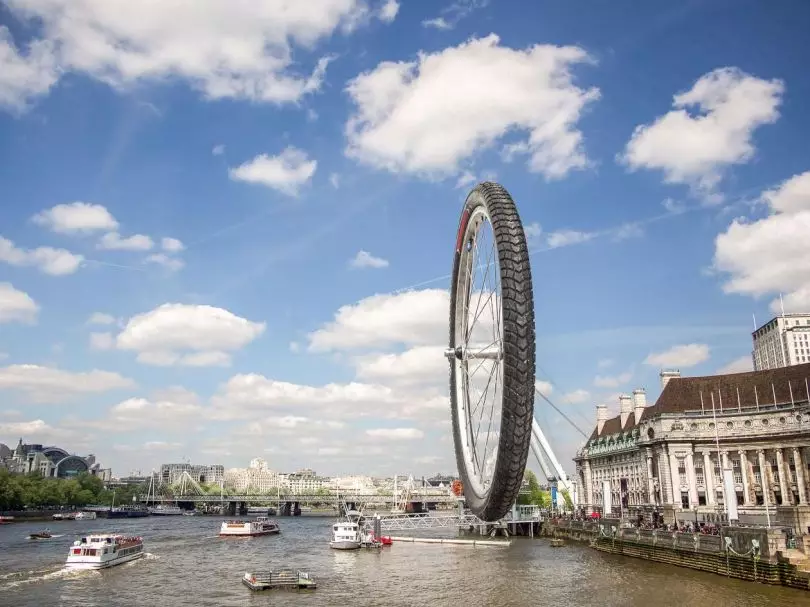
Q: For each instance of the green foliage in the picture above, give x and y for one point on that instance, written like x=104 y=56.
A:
x=18 y=491
x=532 y=493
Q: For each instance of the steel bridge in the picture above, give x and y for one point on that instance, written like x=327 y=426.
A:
x=369 y=499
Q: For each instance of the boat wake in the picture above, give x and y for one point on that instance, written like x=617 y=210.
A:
x=9 y=581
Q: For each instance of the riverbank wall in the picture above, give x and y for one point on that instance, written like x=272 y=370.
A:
x=754 y=554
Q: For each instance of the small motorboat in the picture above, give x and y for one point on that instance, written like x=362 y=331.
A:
x=41 y=535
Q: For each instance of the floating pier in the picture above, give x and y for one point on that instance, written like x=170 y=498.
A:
x=430 y=540
x=270 y=580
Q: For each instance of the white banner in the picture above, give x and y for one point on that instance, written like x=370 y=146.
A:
x=730 y=495
x=606 y=498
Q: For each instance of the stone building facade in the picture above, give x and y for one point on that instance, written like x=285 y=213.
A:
x=50 y=461
x=669 y=456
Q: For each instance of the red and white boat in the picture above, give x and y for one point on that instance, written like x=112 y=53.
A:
x=261 y=525
x=104 y=550
x=6 y=520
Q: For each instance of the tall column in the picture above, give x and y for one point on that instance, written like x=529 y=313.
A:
x=588 y=486
x=763 y=473
x=744 y=466
x=783 y=485
x=650 y=484
x=708 y=476
x=797 y=461
x=674 y=479
x=689 y=464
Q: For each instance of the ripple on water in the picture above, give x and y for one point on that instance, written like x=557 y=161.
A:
x=188 y=565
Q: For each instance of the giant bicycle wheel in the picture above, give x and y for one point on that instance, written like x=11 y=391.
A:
x=492 y=351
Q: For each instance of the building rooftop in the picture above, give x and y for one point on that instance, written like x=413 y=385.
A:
x=784 y=385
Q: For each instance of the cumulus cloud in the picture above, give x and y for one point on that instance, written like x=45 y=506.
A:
x=614 y=381
x=190 y=335
x=696 y=149
x=223 y=49
x=50 y=385
x=412 y=317
x=566 y=238
x=56 y=262
x=171 y=245
x=167 y=261
x=364 y=259
x=285 y=173
x=25 y=75
x=388 y=11
x=76 y=218
x=430 y=115
x=770 y=255
x=136 y=242
x=680 y=356
x=16 y=305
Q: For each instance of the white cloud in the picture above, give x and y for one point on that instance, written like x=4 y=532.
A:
x=243 y=395
x=25 y=75
x=16 y=305
x=771 y=255
x=681 y=356
x=565 y=238
x=605 y=363
x=612 y=381
x=465 y=180
x=240 y=50
x=56 y=262
x=34 y=430
x=696 y=149
x=171 y=408
x=739 y=365
x=364 y=259
x=136 y=242
x=171 y=245
x=543 y=387
x=421 y=365
x=428 y=116
x=533 y=232
x=627 y=231
x=412 y=317
x=50 y=385
x=168 y=262
x=395 y=433
x=102 y=341
x=576 y=397
x=218 y=150
x=453 y=13
x=99 y=318
x=76 y=218
x=334 y=180
x=285 y=173
x=192 y=335
x=388 y=11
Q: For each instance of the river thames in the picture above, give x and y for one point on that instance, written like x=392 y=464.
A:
x=188 y=565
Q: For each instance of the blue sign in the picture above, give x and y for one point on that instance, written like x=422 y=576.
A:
x=553 y=494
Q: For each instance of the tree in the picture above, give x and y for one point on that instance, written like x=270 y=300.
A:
x=534 y=495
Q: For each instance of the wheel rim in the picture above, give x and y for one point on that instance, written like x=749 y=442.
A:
x=478 y=351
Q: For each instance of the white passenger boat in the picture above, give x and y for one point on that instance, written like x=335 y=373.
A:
x=104 y=550
x=166 y=510
x=261 y=525
x=85 y=516
x=346 y=534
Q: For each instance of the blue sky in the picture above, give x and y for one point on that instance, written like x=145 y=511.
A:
x=658 y=157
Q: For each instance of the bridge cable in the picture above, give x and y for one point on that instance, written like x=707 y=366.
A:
x=564 y=416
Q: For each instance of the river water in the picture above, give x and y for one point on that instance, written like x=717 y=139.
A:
x=188 y=565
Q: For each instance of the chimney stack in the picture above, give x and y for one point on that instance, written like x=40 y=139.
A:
x=625 y=408
x=601 y=417
x=639 y=402
x=667 y=375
